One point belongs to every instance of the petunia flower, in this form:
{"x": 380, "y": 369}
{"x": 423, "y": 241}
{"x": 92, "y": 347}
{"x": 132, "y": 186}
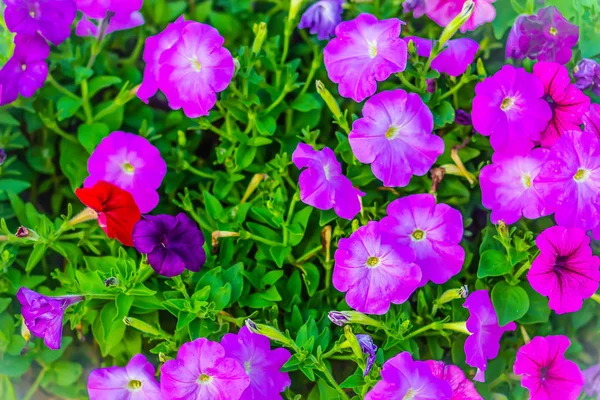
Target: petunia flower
{"x": 373, "y": 272}
{"x": 395, "y": 137}
{"x": 135, "y": 381}
{"x": 262, "y": 364}
{"x": 545, "y": 371}
{"x": 403, "y": 378}
{"x": 202, "y": 370}
{"x": 444, "y": 11}
{"x": 369, "y": 348}
{"x": 569, "y": 180}
{"x": 98, "y": 8}
{"x": 118, "y": 22}
{"x": 433, "y": 231}
{"x": 587, "y": 75}
{"x": 591, "y": 377}
{"x": 172, "y": 244}
{"x": 591, "y": 119}
{"x": 322, "y": 17}
{"x": 565, "y": 270}
{"x": 510, "y": 107}
{"x": 507, "y": 186}
{"x": 453, "y": 60}
{"x": 416, "y": 6}
{"x": 364, "y": 51}
{"x": 43, "y": 315}
{"x": 547, "y": 36}
{"x": 463, "y": 118}
{"x": 484, "y": 342}
{"x": 26, "y": 71}
{"x": 114, "y": 208}
{"x": 130, "y": 162}
{"x": 322, "y": 184}
{"x": 568, "y": 103}
{"x": 462, "y": 388}
{"x": 50, "y": 18}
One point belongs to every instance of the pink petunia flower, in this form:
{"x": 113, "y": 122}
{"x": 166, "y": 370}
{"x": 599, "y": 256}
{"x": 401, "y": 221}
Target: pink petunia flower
{"x": 364, "y": 51}
{"x": 484, "y": 342}
{"x": 373, "y": 272}
{"x": 510, "y": 107}
{"x": 568, "y": 103}
{"x": 395, "y": 137}
{"x": 462, "y": 388}
{"x": 454, "y": 60}
{"x": 591, "y": 119}
{"x": 565, "y": 270}
{"x": 119, "y": 22}
{"x": 98, "y": 8}
{"x": 545, "y": 371}
{"x": 444, "y": 11}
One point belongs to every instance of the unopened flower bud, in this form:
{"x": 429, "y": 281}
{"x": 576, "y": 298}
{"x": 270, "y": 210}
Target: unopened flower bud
{"x": 352, "y": 317}
{"x": 294, "y": 9}
{"x": 456, "y": 23}
{"x": 141, "y": 326}
{"x": 260, "y": 32}
{"x": 352, "y": 341}
{"x": 329, "y": 100}
{"x": 24, "y": 232}
{"x": 453, "y": 294}
{"x": 269, "y": 332}
{"x": 112, "y": 281}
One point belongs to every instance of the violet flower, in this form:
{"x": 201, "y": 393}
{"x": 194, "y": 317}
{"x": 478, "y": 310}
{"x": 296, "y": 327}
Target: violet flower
{"x": 444, "y": 11}
{"x": 118, "y": 22}
{"x": 322, "y": 17}
{"x": 453, "y": 60}
{"x": 591, "y": 377}
{"x": 43, "y": 315}
{"x": 463, "y": 118}
{"x": 369, "y": 348}
{"x": 586, "y": 74}
{"x": 98, "y": 9}
{"x": 51, "y": 18}
{"x": 462, "y": 388}
{"x": 591, "y": 119}
{"x": 417, "y": 7}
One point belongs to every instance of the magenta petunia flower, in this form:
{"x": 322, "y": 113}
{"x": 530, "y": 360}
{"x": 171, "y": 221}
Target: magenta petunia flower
{"x": 322, "y": 184}
{"x": 454, "y": 60}
{"x": 403, "y": 378}
{"x": 98, "y": 8}
{"x": 433, "y": 231}
{"x": 507, "y": 186}
{"x": 395, "y": 137}
{"x": 484, "y": 342}
{"x": 591, "y": 378}
{"x": 569, "y": 180}
{"x": 203, "y": 371}
{"x": 364, "y": 52}
{"x": 130, "y": 162}
{"x": 444, "y": 11}
{"x": 369, "y": 348}
{"x": 510, "y": 107}
{"x": 587, "y": 75}
{"x": 118, "y": 22}
{"x": 565, "y": 270}
{"x": 545, "y": 371}
{"x": 462, "y": 388}
{"x": 43, "y": 315}
{"x": 591, "y": 119}
{"x": 568, "y": 103}
{"x": 262, "y": 364}
{"x": 51, "y": 18}
{"x": 26, "y": 71}
{"x": 133, "y": 382}
{"x": 322, "y": 17}
{"x": 373, "y": 272}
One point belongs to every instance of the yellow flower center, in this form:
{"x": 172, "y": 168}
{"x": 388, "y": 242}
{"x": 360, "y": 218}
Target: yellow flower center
{"x": 580, "y": 175}
{"x": 196, "y": 66}
{"x": 204, "y": 379}
{"x": 553, "y": 31}
{"x": 392, "y": 132}
{"x": 526, "y": 179}
{"x": 372, "y": 262}
{"x": 418, "y": 234}
{"x": 507, "y": 103}
{"x": 372, "y": 48}
{"x": 134, "y": 384}
{"x": 128, "y": 168}
{"x": 410, "y": 395}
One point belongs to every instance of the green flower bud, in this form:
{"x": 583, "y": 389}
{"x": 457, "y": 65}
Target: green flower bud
{"x": 260, "y": 32}
{"x": 456, "y": 23}
{"x": 329, "y": 100}
{"x": 269, "y": 332}
{"x": 141, "y": 326}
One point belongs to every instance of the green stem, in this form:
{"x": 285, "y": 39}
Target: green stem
{"x": 263, "y": 240}
{"x": 456, "y": 327}
{"x": 107, "y": 111}
{"x": 596, "y": 297}
{"x": 331, "y": 380}
{"x": 407, "y": 83}
{"x": 522, "y": 270}
{"x": 99, "y": 296}
{"x": 277, "y": 101}
{"x": 61, "y": 88}
{"x": 36, "y": 384}
{"x": 421, "y": 330}
{"x": 455, "y": 88}
{"x": 188, "y": 167}
{"x": 85, "y": 102}
{"x": 309, "y": 254}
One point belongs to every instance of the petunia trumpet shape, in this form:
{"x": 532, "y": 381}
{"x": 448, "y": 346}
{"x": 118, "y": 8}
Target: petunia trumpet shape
{"x": 50, "y": 18}
{"x": 322, "y": 17}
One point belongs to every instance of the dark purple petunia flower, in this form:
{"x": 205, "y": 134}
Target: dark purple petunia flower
{"x": 322, "y": 18}
{"x": 587, "y": 75}
{"x": 463, "y": 118}
{"x": 369, "y": 348}
{"x": 416, "y": 6}
{"x": 172, "y": 244}
{"x": 51, "y": 18}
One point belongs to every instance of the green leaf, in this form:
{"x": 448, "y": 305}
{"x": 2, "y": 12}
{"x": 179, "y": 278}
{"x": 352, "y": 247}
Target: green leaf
{"x": 244, "y": 155}
{"x": 443, "y": 114}
{"x": 12, "y": 186}
{"x": 100, "y": 82}
{"x": 39, "y": 249}
{"x": 67, "y": 107}
{"x": 73, "y": 162}
{"x": 307, "y": 102}
{"x": 213, "y": 207}
{"x": 265, "y": 126}
{"x": 67, "y": 372}
{"x": 82, "y": 73}
{"x": 7, "y": 119}
{"x": 90, "y": 135}
{"x": 493, "y": 263}
{"x": 311, "y": 278}
{"x": 538, "y": 311}
{"x": 510, "y": 302}
{"x": 505, "y": 17}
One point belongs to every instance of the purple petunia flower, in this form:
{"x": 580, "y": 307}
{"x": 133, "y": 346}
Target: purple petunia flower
{"x": 463, "y": 118}
{"x": 454, "y": 60}
{"x": 587, "y": 74}
{"x": 118, "y": 22}
{"x": 369, "y": 348}
{"x": 484, "y": 342}
{"x": 507, "y": 186}
{"x": 569, "y": 180}
{"x": 433, "y": 231}
{"x": 591, "y": 377}
{"x": 591, "y": 119}
{"x": 444, "y": 11}
{"x": 510, "y": 107}
{"x": 98, "y": 9}
{"x": 403, "y": 378}
{"x": 372, "y": 272}
{"x": 26, "y": 71}
{"x": 545, "y": 371}
{"x": 173, "y": 244}
{"x": 43, "y": 315}
{"x": 416, "y": 6}
{"x": 130, "y": 162}
{"x": 203, "y": 371}
{"x": 568, "y": 103}
{"x": 133, "y": 382}
{"x": 547, "y": 36}
{"x": 565, "y": 270}
{"x": 51, "y": 18}
{"x": 462, "y": 388}
{"x": 364, "y": 52}
{"x": 262, "y": 364}
{"x": 322, "y": 17}
{"x": 322, "y": 184}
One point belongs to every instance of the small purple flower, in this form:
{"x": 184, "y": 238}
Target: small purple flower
{"x": 130, "y": 162}
{"x": 454, "y": 60}
{"x": 416, "y": 6}
{"x": 51, "y": 18}
{"x": 484, "y": 342}
{"x": 586, "y": 73}
{"x": 403, "y": 378}
{"x": 463, "y": 118}
{"x": 338, "y": 317}
{"x": 433, "y": 231}
{"x": 172, "y": 244}
{"x": 118, "y": 22}
{"x": 591, "y": 378}
{"x": 44, "y": 315}
{"x": 322, "y": 184}
{"x": 2, "y": 155}
{"x": 26, "y": 71}
{"x": 395, "y": 137}
{"x": 369, "y": 348}
{"x": 565, "y": 271}
{"x": 373, "y": 272}
{"x": 591, "y": 120}
{"x": 462, "y": 388}
{"x": 133, "y": 382}
{"x": 203, "y": 371}
{"x": 364, "y": 52}
{"x": 322, "y": 17}
{"x": 262, "y": 364}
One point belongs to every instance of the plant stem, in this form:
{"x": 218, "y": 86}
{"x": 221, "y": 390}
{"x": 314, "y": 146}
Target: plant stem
{"x": 421, "y": 330}
{"x": 331, "y": 380}
{"x": 522, "y": 270}
{"x": 407, "y": 83}
{"x": 61, "y": 88}
{"x": 596, "y": 297}
{"x": 277, "y": 101}
{"x": 188, "y": 167}
{"x": 36, "y": 384}
{"x": 309, "y": 254}
{"x": 263, "y": 240}
{"x": 456, "y": 87}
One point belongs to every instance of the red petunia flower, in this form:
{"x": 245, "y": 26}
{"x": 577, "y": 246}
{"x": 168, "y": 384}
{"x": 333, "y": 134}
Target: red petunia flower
{"x": 116, "y": 210}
